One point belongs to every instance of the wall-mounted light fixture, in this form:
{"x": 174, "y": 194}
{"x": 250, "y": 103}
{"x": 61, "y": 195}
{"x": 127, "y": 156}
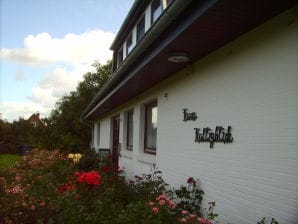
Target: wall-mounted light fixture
{"x": 178, "y": 57}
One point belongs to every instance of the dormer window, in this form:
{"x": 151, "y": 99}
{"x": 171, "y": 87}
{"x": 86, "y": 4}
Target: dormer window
{"x": 120, "y": 56}
{"x": 149, "y": 16}
{"x": 129, "y": 45}
{"x": 141, "y": 28}
{"x": 156, "y": 10}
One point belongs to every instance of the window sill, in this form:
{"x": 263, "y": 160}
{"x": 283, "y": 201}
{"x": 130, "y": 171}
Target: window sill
{"x": 126, "y": 154}
{"x": 147, "y": 158}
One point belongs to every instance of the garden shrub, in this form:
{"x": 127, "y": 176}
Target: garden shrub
{"x": 50, "y": 187}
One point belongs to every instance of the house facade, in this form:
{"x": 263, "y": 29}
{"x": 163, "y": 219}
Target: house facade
{"x": 35, "y": 120}
{"x": 207, "y": 89}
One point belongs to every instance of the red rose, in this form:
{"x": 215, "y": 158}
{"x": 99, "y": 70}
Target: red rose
{"x": 106, "y": 169}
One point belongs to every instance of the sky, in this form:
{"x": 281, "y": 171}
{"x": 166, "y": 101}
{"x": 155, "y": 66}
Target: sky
{"x": 48, "y": 45}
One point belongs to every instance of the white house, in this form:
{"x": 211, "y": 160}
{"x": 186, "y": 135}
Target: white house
{"x": 208, "y": 89}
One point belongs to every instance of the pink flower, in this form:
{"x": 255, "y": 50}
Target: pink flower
{"x": 191, "y": 180}
{"x": 155, "y": 209}
{"x": 184, "y": 212}
{"x": 32, "y": 208}
{"x": 138, "y": 178}
{"x": 42, "y": 204}
{"x": 151, "y": 203}
{"x": 172, "y": 204}
{"x": 131, "y": 182}
{"x": 162, "y": 196}
{"x": 192, "y": 216}
{"x": 204, "y": 221}
{"x": 183, "y": 220}
{"x": 162, "y": 202}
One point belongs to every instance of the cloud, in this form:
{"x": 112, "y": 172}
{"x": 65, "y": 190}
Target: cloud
{"x": 58, "y": 80}
{"x": 72, "y": 48}
{"x": 61, "y": 81}
{"x": 71, "y": 57}
{"x": 20, "y": 76}
{"x": 43, "y": 97}
{"x": 13, "y": 110}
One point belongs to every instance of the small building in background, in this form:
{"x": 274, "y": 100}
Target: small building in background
{"x": 35, "y": 120}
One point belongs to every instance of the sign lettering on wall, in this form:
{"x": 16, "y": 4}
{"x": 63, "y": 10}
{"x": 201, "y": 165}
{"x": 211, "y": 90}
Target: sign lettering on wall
{"x": 189, "y": 116}
{"x": 219, "y": 135}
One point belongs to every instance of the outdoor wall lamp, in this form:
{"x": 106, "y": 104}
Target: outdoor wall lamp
{"x": 178, "y": 57}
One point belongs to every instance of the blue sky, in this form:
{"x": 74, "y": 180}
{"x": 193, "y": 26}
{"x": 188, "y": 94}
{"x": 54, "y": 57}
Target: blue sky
{"x": 48, "y": 45}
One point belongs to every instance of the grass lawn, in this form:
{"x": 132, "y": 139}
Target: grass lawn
{"x": 7, "y": 160}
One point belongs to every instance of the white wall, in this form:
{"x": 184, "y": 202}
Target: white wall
{"x": 250, "y": 84}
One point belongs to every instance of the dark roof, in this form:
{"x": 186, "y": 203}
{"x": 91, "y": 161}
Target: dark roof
{"x": 202, "y": 27}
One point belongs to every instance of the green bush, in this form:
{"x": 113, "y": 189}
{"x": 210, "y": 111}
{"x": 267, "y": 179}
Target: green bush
{"x": 50, "y": 187}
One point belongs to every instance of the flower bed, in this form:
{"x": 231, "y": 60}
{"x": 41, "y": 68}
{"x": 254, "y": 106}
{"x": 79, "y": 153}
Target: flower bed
{"x": 49, "y": 187}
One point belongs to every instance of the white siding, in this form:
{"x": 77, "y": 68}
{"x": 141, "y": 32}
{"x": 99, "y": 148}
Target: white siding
{"x": 250, "y": 84}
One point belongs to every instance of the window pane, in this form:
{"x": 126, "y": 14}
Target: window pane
{"x": 129, "y": 137}
{"x": 156, "y": 10}
{"x": 141, "y": 29}
{"x": 129, "y": 45}
{"x": 151, "y": 127}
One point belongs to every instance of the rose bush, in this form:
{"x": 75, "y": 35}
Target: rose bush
{"x": 49, "y": 187}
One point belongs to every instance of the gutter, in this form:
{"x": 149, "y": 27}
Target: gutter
{"x": 170, "y": 14}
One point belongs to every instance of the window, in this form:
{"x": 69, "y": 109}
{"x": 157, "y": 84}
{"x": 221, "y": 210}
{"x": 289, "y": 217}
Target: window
{"x": 150, "y": 128}
{"x": 129, "y": 130}
{"x": 129, "y": 44}
{"x": 120, "y": 56}
{"x": 156, "y": 10}
{"x": 141, "y": 28}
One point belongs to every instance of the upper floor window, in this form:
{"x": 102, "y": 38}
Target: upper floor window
{"x": 120, "y": 56}
{"x": 129, "y": 44}
{"x": 141, "y": 28}
{"x": 129, "y": 130}
{"x": 150, "y": 128}
{"x": 156, "y": 10}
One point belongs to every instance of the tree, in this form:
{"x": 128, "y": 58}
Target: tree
{"x": 65, "y": 129}
{"x": 20, "y": 132}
